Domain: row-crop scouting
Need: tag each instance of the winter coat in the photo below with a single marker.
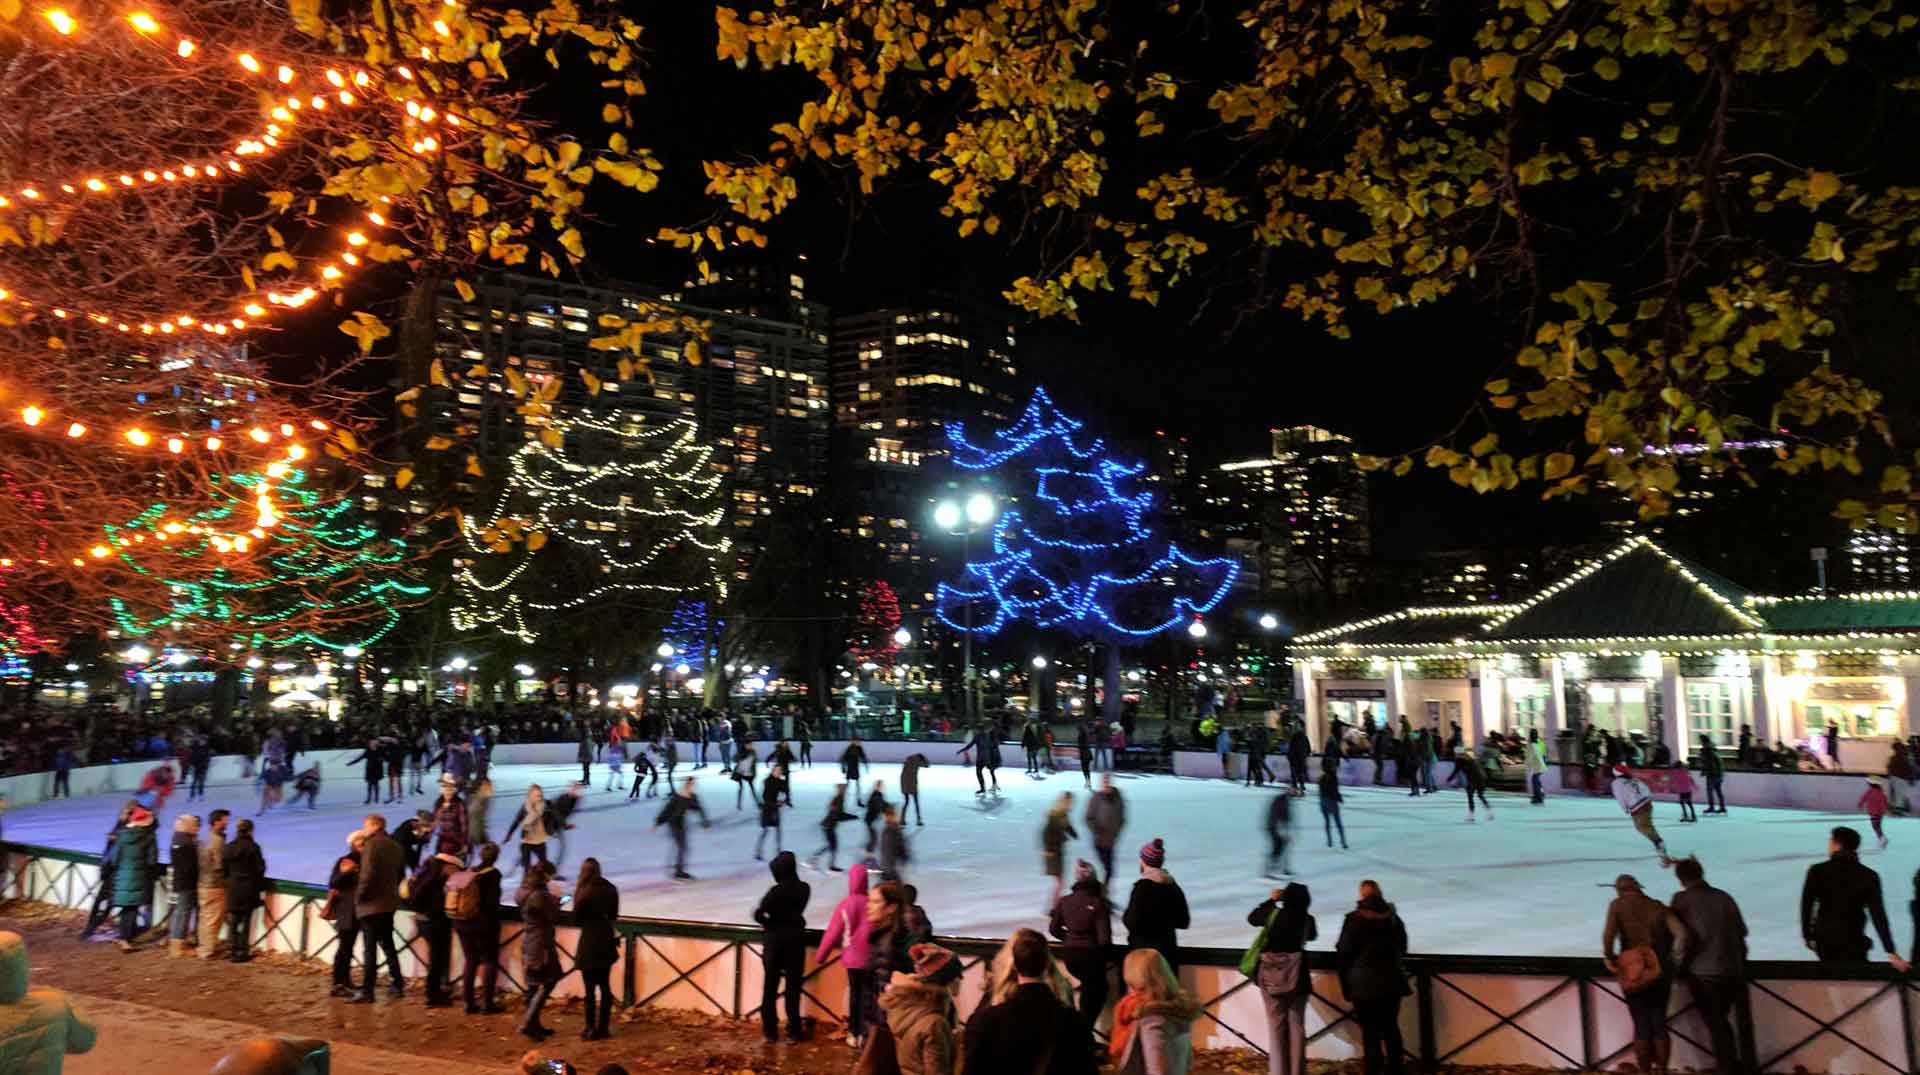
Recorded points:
(893, 849)
(382, 864)
(1874, 802)
(548, 818)
(1106, 816)
(538, 913)
(1837, 899)
(921, 1019)
(1161, 1038)
(887, 951)
(1631, 794)
(1372, 943)
(1711, 766)
(213, 862)
(345, 875)
(852, 758)
(1293, 927)
(1536, 755)
(38, 1027)
(770, 797)
(876, 806)
(136, 858)
(1279, 813)
(1156, 912)
(782, 911)
(910, 773)
(246, 870)
(375, 763)
(427, 891)
(1055, 834)
(449, 819)
(987, 743)
(595, 906)
(1083, 919)
(847, 928)
(1010, 1038)
(183, 863)
(673, 813)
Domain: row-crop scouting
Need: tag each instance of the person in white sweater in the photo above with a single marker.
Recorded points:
(1637, 800)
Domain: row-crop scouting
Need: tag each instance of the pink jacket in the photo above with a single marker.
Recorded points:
(1680, 781)
(1875, 802)
(848, 926)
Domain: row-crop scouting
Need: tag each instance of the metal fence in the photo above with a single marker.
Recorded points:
(1460, 1010)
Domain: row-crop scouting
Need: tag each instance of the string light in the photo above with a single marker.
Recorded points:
(1087, 561)
(551, 496)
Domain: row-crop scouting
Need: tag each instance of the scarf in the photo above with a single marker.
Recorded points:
(1126, 1017)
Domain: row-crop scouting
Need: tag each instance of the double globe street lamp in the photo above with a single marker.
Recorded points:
(963, 519)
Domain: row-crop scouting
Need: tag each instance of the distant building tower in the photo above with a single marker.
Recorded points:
(1307, 504)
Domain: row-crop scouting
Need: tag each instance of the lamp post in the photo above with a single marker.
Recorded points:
(665, 652)
(1269, 623)
(962, 520)
(1197, 630)
(903, 638)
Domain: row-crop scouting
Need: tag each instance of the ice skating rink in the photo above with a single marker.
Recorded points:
(1526, 883)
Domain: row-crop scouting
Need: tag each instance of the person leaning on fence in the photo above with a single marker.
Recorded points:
(338, 909)
(1715, 966)
(376, 897)
(183, 881)
(1280, 971)
(473, 902)
(213, 883)
(1642, 942)
(1838, 897)
(783, 954)
(1370, 951)
(1083, 921)
(427, 898)
(596, 906)
(539, 952)
(246, 873)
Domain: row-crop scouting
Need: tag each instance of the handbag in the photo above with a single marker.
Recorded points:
(1250, 961)
(330, 910)
(1283, 974)
(1637, 968)
(878, 1056)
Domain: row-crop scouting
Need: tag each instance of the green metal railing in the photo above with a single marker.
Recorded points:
(1435, 982)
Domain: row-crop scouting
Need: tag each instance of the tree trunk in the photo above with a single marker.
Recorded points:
(1111, 705)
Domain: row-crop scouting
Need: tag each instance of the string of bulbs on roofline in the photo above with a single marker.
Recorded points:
(262, 302)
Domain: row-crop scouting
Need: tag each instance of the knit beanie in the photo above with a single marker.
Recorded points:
(933, 964)
(1154, 854)
(1082, 871)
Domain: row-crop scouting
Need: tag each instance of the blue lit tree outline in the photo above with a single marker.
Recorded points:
(1081, 558)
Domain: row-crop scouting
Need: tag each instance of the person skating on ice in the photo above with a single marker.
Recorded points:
(674, 816)
(1054, 835)
(830, 828)
(985, 748)
(1475, 777)
(910, 786)
(1330, 799)
(894, 851)
(1536, 767)
(770, 810)
(1637, 801)
(1874, 802)
(876, 808)
(746, 766)
(1279, 825)
(1083, 745)
(1680, 782)
(851, 759)
(782, 756)
(644, 772)
(1106, 817)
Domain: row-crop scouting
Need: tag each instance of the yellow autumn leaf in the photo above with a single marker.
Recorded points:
(536, 541)
(437, 443)
(571, 240)
(465, 289)
(553, 438)
(437, 375)
(592, 382)
(403, 477)
(347, 439)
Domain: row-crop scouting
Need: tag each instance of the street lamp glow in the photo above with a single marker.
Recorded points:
(1268, 622)
(1039, 663)
(682, 668)
(1197, 629)
(524, 669)
(868, 666)
(903, 637)
(352, 651)
(71, 667)
(458, 664)
(665, 650)
(656, 666)
(946, 515)
(177, 659)
(138, 655)
(980, 509)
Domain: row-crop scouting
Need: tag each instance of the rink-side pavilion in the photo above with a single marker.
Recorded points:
(1639, 641)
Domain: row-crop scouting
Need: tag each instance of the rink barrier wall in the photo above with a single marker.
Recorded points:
(1556, 1013)
(1837, 793)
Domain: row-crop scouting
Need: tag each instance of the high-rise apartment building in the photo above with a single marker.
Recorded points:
(1307, 506)
(755, 387)
(1880, 559)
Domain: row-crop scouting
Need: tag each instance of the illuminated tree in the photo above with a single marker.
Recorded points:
(877, 618)
(1628, 188)
(315, 570)
(689, 632)
(620, 517)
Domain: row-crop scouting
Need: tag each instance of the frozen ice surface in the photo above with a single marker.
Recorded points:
(1527, 883)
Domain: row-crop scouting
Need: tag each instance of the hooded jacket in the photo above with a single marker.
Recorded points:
(539, 911)
(1372, 942)
(847, 928)
(596, 906)
(1293, 927)
(921, 1018)
(910, 773)
(782, 911)
(1083, 919)
(136, 855)
(1160, 1039)
(38, 1027)
(183, 862)
(246, 873)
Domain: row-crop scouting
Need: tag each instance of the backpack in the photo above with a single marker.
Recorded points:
(462, 898)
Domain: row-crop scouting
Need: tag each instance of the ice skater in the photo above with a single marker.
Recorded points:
(1053, 845)
(985, 747)
(1637, 801)
(746, 768)
(1330, 800)
(671, 755)
(876, 809)
(851, 759)
(585, 753)
(644, 772)
(1874, 802)
(373, 757)
(1030, 742)
(308, 784)
(1475, 779)
(909, 787)
(830, 828)
(617, 756)
(1536, 767)
(1279, 826)
(674, 816)
(1680, 782)
(770, 811)
(1106, 817)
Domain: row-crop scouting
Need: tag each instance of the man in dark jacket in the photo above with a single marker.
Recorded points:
(782, 913)
(1257, 774)
(1083, 920)
(1157, 909)
(1106, 817)
(382, 865)
(1032, 1032)
(1713, 772)
(985, 746)
(1836, 900)
(427, 894)
(246, 870)
(851, 759)
(674, 816)
(1372, 944)
(1716, 960)
(1297, 751)
(909, 787)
